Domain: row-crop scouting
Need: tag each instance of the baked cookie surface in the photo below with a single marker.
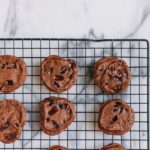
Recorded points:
(113, 146)
(13, 73)
(111, 75)
(58, 74)
(56, 147)
(56, 115)
(12, 120)
(115, 117)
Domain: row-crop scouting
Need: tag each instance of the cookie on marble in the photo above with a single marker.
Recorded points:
(116, 117)
(112, 75)
(13, 73)
(56, 147)
(56, 114)
(113, 146)
(58, 74)
(12, 120)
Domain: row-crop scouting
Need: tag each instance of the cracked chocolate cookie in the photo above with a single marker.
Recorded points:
(12, 120)
(12, 73)
(58, 74)
(115, 117)
(56, 114)
(113, 146)
(111, 75)
(56, 147)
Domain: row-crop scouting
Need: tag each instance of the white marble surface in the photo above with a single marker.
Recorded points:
(73, 18)
(96, 19)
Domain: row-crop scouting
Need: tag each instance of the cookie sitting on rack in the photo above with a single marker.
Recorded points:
(111, 75)
(13, 73)
(58, 74)
(56, 147)
(116, 117)
(113, 146)
(56, 114)
(12, 120)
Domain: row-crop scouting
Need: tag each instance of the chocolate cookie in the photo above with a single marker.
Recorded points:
(116, 117)
(112, 75)
(12, 120)
(12, 73)
(56, 147)
(56, 115)
(113, 146)
(58, 74)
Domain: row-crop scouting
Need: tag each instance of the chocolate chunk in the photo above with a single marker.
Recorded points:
(113, 120)
(4, 127)
(63, 69)
(2, 65)
(17, 125)
(53, 111)
(10, 136)
(59, 78)
(56, 84)
(51, 70)
(63, 106)
(55, 124)
(14, 65)
(48, 119)
(50, 102)
(9, 82)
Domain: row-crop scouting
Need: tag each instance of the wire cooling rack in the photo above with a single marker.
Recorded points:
(83, 133)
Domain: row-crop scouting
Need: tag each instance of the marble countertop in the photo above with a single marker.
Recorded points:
(75, 19)
(94, 19)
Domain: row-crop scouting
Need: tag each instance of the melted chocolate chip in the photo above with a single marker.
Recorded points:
(64, 121)
(5, 125)
(59, 78)
(69, 111)
(14, 65)
(9, 82)
(63, 69)
(113, 120)
(53, 111)
(48, 119)
(50, 71)
(114, 78)
(117, 104)
(119, 107)
(71, 76)
(55, 124)
(72, 65)
(56, 84)
(10, 136)
(2, 128)
(50, 102)
(2, 65)
(63, 106)
(17, 125)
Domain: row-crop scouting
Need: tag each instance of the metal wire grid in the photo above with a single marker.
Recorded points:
(83, 133)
